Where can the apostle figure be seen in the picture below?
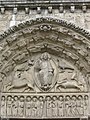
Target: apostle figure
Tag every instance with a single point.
(9, 105)
(86, 103)
(80, 105)
(28, 106)
(74, 106)
(60, 106)
(21, 107)
(68, 109)
(3, 106)
(40, 106)
(54, 106)
(48, 106)
(34, 106)
(15, 106)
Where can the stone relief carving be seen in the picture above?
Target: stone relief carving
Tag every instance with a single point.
(22, 78)
(40, 108)
(48, 106)
(20, 74)
(21, 106)
(44, 73)
(15, 106)
(74, 105)
(68, 109)
(80, 105)
(28, 106)
(3, 106)
(44, 106)
(54, 106)
(69, 78)
(60, 106)
(9, 105)
(86, 102)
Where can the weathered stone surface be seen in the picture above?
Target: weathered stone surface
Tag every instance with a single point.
(45, 62)
(78, 18)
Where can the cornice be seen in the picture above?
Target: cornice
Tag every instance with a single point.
(42, 3)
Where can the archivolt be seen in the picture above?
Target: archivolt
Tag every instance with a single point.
(55, 36)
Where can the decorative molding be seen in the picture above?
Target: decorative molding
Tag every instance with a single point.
(44, 4)
(42, 57)
(45, 19)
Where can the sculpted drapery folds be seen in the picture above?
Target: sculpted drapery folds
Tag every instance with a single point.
(45, 71)
(9, 105)
(15, 106)
(3, 106)
(21, 107)
(60, 106)
(40, 60)
(28, 106)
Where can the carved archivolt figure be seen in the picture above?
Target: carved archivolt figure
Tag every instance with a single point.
(3, 106)
(60, 106)
(9, 105)
(28, 106)
(21, 106)
(15, 106)
(44, 70)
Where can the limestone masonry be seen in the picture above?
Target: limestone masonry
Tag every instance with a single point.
(44, 59)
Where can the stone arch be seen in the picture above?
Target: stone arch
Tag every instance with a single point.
(61, 45)
(45, 34)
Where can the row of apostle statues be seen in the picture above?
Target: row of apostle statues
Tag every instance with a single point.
(44, 106)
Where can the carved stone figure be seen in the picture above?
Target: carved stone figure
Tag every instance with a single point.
(9, 105)
(3, 106)
(74, 106)
(34, 106)
(28, 106)
(40, 107)
(45, 71)
(48, 106)
(22, 79)
(61, 106)
(15, 106)
(86, 103)
(2, 78)
(54, 106)
(70, 81)
(21, 106)
(80, 105)
(68, 105)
